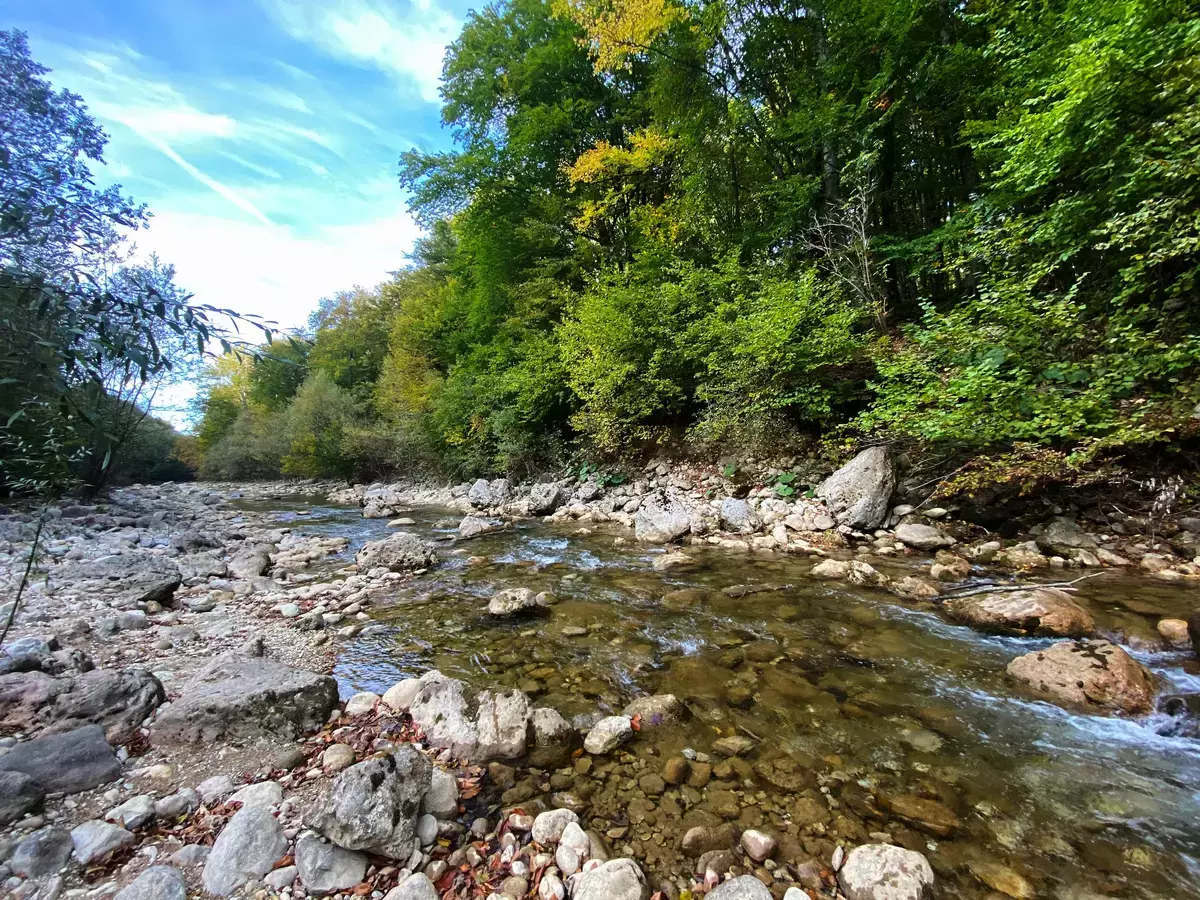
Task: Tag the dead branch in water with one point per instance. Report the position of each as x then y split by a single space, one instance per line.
1001 588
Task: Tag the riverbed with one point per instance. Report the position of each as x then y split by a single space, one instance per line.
868 714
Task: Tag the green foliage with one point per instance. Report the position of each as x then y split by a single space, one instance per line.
967 226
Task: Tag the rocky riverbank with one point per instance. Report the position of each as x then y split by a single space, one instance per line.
170 728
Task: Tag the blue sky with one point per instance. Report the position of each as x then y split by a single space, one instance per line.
263 134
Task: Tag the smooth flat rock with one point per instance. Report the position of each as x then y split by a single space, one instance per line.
75 761
239 696
1045 611
19 795
617 879
745 887
247 847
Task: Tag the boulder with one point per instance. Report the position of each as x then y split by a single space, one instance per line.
1062 536
473 726
397 552
486 494
42 853
744 887
19 795
250 562
119 701
854 571
1046 611
95 840
326 868
132 577
512 601
239 696
71 762
923 537
246 849
661 519
1093 675
736 515
545 498
373 805
608 734
617 879
857 494
886 872
156 883
473 526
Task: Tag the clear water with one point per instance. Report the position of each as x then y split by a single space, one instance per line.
860 687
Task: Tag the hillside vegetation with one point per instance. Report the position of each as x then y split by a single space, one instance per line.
969 227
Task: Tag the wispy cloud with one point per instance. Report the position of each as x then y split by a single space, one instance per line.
368 32
222 189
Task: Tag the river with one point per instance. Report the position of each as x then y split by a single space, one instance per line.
868 714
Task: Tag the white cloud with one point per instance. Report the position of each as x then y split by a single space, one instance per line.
409 48
270 270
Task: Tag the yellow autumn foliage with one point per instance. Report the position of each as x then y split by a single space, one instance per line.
619 30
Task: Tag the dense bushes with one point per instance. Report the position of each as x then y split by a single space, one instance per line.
970 227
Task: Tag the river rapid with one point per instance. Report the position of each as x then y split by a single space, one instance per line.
869 715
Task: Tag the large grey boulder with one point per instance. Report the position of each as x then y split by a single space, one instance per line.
374 805
71 762
617 879
118 701
246 849
473 726
42 853
1044 610
1093 675
486 494
545 498
156 883
661 519
1061 536
857 494
19 794
923 537
326 868
736 515
886 872
238 696
131 578
250 562
397 552
745 887
474 526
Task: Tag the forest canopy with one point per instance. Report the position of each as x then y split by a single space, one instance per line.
970 226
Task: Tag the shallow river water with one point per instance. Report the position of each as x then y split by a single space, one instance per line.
870 714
